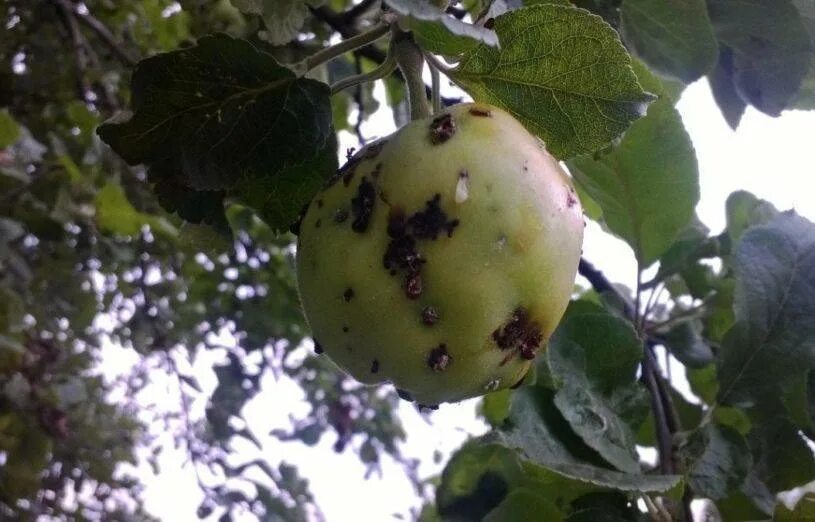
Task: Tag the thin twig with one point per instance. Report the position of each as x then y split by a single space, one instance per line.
81 58
349 44
101 31
682 315
383 70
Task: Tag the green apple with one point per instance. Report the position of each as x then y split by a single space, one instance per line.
441 258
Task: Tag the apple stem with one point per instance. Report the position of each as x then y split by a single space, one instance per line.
410 59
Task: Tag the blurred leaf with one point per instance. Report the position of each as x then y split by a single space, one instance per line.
9 129
716 459
114 213
495 407
783 460
674 38
522 505
647 185
686 343
557 98
723 85
283 18
744 210
774 335
771 49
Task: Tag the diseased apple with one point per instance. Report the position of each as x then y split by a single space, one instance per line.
442 257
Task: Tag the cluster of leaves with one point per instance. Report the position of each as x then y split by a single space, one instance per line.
229 134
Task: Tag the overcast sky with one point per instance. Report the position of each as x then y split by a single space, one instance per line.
770 157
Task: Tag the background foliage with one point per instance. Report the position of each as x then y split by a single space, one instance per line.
165 231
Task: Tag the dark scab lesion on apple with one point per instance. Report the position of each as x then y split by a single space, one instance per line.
438 359
341 215
519 334
375 366
480 112
430 315
318 348
362 205
442 128
348 294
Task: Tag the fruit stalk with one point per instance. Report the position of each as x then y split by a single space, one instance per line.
410 59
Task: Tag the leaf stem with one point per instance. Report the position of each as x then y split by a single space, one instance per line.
411 62
384 69
438 64
345 46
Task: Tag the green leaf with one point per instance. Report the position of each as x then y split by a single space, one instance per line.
495 407
538 429
703 383
439 32
114 213
219 117
674 38
542 436
771 49
686 343
723 85
743 210
477 479
783 460
774 335
562 72
740 507
279 199
661 86
805 99
647 185
717 460
9 129
522 505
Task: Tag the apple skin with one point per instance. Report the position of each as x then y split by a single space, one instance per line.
441 258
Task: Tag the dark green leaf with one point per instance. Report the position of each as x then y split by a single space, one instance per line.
562 72
783 460
647 185
439 32
591 356
771 49
774 335
743 210
717 460
522 505
686 343
220 114
9 129
674 38
723 85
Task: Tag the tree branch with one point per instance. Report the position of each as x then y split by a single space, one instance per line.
666 418
100 29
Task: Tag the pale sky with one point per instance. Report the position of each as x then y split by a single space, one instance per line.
767 156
